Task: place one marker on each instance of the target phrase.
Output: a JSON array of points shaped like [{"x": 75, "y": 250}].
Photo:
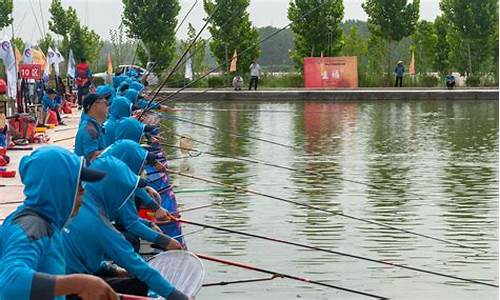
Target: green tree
[
  {"x": 153, "y": 22},
  {"x": 19, "y": 44},
  {"x": 392, "y": 20},
  {"x": 197, "y": 51},
  {"x": 5, "y": 13},
  {"x": 356, "y": 45},
  {"x": 425, "y": 40},
  {"x": 62, "y": 22},
  {"x": 122, "y": 48},
  {"x": 441, "y": 61},
  {"x": 472, "y": 25},
  {"x": 85, "y": 43},
  {"x": 316, "y": 30},
  {"x": 232, "y": 30},
  {"x": 45, "y": 42}
]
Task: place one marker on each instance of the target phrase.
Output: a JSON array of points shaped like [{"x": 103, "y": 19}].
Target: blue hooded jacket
[
  {"x": 49, "y": 103},
  {"x": 92, "y": 239},
  {"x": 30, "y": 238},
  {"x": 136, "y": 86},
  {"x": 134, "y": 156},
  {"x": 131, "y": 95},
  {"x": 121, "y": 108},
  {"x": 89, "y": 137},
  {"x": 129, "y": 129},
  {"x": 104, "y": 90},
  {"x": 117, "y": 80}
]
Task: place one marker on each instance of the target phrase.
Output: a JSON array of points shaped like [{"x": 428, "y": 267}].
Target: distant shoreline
[{"x": 360, "y": 94}]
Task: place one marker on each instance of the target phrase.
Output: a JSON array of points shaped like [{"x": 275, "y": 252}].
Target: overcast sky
[{"x": 103, "y": 15}]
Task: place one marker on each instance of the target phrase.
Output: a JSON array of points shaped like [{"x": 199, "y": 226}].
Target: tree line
[{"x": 463, "y": 38}]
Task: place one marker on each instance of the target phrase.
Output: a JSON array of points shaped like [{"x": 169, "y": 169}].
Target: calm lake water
[{"x": 425, "y": 166}]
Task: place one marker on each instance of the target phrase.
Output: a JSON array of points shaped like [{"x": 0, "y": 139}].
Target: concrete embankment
[{"x": 276, "y": 95}]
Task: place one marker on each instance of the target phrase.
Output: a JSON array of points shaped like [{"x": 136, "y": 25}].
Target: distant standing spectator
[
  {"x": 237, "y": 82},
  {"x": 400, "y": 70},
  {"x": 255, "y": 73},
  {"x": 83, "y": 80},
  {"x": 450, "y": 81}
]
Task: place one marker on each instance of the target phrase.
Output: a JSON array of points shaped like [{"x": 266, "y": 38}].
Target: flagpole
[{"x": 15, "y": 59}]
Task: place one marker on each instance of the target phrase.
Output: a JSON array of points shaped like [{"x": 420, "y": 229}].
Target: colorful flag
[
  {"x": 37, "y": 57},
  {"x": 110, "y": 65},
  {"x": 71, "y": 65},
  {"x": 188, "y": 72},
  {"x": 58, "y": 58},
  {"x": 27, "y": 57},
  {"x": 9, "y": 60},
  {"x": 412, "y": 64},
  {"x": 234, "y": 61}
]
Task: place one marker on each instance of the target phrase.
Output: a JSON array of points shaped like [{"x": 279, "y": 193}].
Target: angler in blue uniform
[
  {"x": 135, "y": 157},
  {"x": 121, "y": 108},
  {"x": 91, "y": 239},
  {"x": 31, "y": 258},
  {"x": 89, "y": 140},
  {"x": 107, "y": 92}
]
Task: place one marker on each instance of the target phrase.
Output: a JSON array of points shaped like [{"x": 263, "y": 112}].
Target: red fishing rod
[
  {"x": 282, "y": 275},
  {"x": 334, "y": 252},
  {"x": 243, "y": 189}
]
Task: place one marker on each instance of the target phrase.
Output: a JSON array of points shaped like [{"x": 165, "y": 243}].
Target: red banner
[
  {"x": 30, "y": 71},
  {"x": 331, "y": 72}
]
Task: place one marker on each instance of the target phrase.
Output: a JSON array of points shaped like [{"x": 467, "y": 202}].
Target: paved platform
[
  {"x": 276, "y": 95},
  {"x": 13, "y": 191}
]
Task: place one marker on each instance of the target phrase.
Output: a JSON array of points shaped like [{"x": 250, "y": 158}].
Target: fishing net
[
  {"x": 185, "y": 144},
  {"x": 181, "y": 268}
]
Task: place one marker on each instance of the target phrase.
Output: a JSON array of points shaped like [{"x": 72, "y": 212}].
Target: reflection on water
[{"x": 428, "y": 166}]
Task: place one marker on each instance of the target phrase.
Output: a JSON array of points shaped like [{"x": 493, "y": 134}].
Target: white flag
[
  {"x": 71, "y": 65},
  {"x": 188, "y": 73},
  {"x": 58, "y": 58},
  {"x": 27, "y": 57},
  {"x": 9, "y": 60}
]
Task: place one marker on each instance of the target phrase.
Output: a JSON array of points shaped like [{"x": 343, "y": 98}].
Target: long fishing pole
[
  {"x": 185, "y": 17},
  {"x": 177, "y": 65},
  {"x": 282, "y": 275},
  {"x": 257, "y": 161},
  {"x": 232, "y": 133},
  {"x": 416, "y": 269},
  {"x": 242, "y": 189},
  {"x": 245, "y": 50}
]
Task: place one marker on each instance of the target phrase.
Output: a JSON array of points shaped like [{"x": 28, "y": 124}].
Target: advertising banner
[{"x": 331, "y": 72}]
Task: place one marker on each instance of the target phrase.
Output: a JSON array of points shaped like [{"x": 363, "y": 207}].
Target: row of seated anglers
[{"x": 68, "y": 238}]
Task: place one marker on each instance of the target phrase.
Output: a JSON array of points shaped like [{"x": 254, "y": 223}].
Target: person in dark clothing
[
  {"x": 50, "y": 104},
  {"x": 400, "y": 70},
  {"x": 450, "y": 81},
  {"x": 83, "y": 80}
]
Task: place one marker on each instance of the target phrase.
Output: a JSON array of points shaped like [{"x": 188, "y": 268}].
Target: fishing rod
[
  {"x": 283, "y": 275},
  {"x": 245, "y": 50},
  {"x": 231, "y": 133},
  {"x": 177, "y": 65},
  {"x": 416, "y": 269},
  {"x": 222, "y": 283},
  {"x": 185, "y": 17},
  {"x": 242, "y": 189},
  {"x": 257, "y": 161}
]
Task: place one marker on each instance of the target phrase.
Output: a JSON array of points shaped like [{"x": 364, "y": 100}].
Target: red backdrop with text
[{"x": 331, "y": 72}]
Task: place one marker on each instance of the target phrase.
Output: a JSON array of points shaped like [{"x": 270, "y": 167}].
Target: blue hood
[
  {"x": 131, "y": 95},
  {"x": 111, "y": 193},
  {"x": 129, "y": 129},
  {"x": 104, "y": 90},
  {"x": 136, "y": 86},
  {"x": 121, "y": 108},
  {"x": 129, "y": 152},
  {"x": 51, "y": 176},
  {"x": 117, "y": 80}
]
